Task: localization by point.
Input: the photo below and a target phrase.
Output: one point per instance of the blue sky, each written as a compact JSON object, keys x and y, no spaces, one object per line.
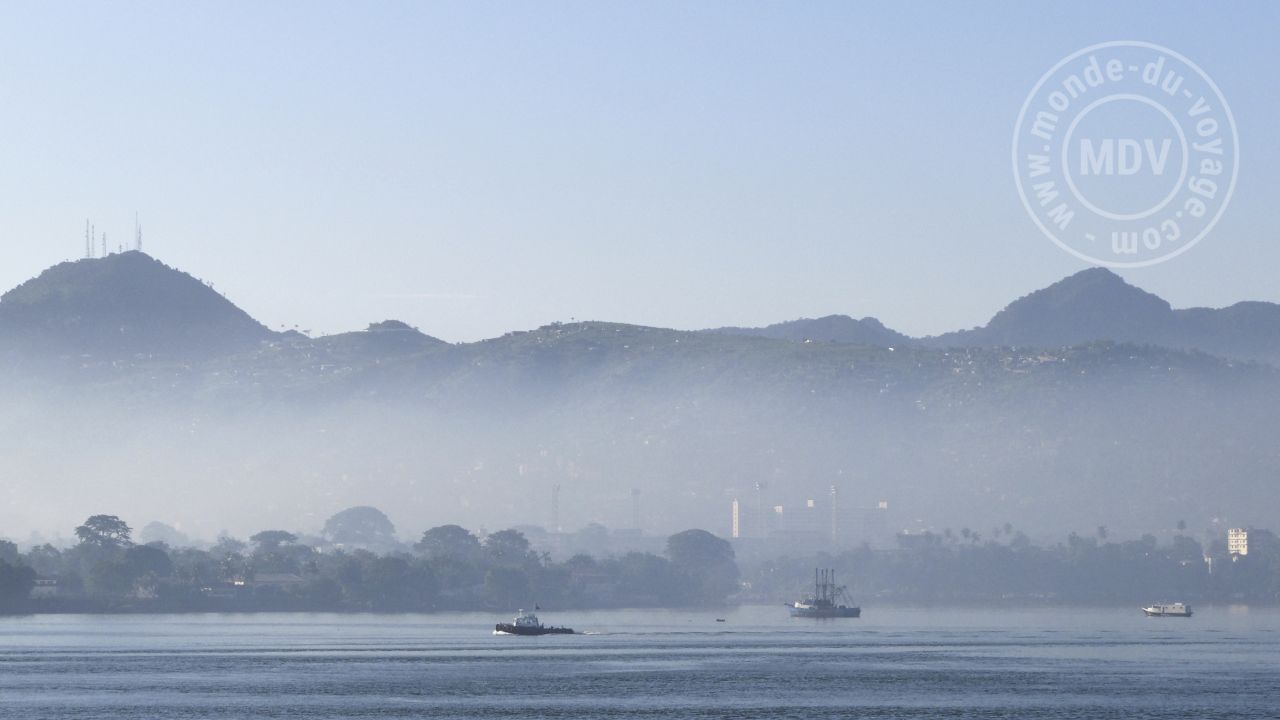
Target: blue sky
{"x":474,"y":168}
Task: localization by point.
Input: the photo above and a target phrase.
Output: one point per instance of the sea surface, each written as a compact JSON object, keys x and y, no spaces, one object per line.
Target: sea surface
{"x":758,"y":663}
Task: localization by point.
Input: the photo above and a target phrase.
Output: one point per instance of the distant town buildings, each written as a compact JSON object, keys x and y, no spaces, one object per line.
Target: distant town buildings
{"x":1238,"y":541}
{"x":44,"y":588}
{"x":810,"y":524}
{"x":1252,"y":541}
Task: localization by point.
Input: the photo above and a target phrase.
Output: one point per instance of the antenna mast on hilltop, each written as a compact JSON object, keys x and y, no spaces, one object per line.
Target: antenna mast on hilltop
{"x":137,"y":233}
{"x":88,"y":240}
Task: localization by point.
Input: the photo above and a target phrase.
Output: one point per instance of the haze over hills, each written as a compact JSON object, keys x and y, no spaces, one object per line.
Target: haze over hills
{"x":248,"y":429}
{"x":1090,"y":306}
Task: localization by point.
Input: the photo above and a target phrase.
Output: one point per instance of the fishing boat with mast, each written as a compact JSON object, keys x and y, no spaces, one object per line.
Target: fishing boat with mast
{"x":827,"y":601}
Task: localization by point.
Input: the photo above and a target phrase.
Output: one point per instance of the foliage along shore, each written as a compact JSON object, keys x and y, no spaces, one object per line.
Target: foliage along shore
{"x":358,"y":565}
{"x":448,"y":568}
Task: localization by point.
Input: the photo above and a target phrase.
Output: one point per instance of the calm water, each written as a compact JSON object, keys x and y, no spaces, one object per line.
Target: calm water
{"x":892,"y":663}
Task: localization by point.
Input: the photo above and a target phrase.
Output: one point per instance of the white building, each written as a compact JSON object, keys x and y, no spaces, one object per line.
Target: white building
{"x":1238,"y":541}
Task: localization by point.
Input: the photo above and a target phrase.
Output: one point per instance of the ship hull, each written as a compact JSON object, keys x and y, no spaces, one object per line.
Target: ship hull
{"x":510,"y":629}
{"x":835,"y":612}
{"x":1162,"y":613}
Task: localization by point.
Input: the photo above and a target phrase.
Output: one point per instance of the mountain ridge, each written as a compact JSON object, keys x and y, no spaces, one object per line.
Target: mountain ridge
{"x":1092,"y":305}
{"x":130,"y":304}
{"x":478,"y":433}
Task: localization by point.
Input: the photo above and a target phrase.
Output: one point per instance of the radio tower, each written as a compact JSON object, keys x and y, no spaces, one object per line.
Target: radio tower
{"x":635,"y":508}
{"x":88,"y":240}
{"x":835,"y":534}
{"x":137,"y":233}
{"x":760,"y":518}
{"x":555,"y":508}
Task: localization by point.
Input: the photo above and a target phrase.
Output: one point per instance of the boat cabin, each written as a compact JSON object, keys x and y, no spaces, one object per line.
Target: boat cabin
{"x":526,"y":619}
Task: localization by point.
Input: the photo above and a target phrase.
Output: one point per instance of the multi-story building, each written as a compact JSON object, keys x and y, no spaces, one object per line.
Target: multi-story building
{"x":1238,"y":541}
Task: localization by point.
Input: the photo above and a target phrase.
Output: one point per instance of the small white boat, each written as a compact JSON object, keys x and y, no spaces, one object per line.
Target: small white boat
{"x":1168,"y":610}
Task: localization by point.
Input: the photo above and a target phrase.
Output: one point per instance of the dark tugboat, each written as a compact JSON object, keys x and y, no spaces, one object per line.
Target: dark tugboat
{"x":825,"y":600}
{"x":526,"y":623}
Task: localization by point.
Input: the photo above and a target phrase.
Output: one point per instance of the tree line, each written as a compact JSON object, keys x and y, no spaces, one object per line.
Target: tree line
{"x":356,"y":565}
{"x":942,"y":567}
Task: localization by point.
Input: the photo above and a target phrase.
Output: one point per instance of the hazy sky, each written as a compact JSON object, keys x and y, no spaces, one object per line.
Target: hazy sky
{"x":475,"y":168}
